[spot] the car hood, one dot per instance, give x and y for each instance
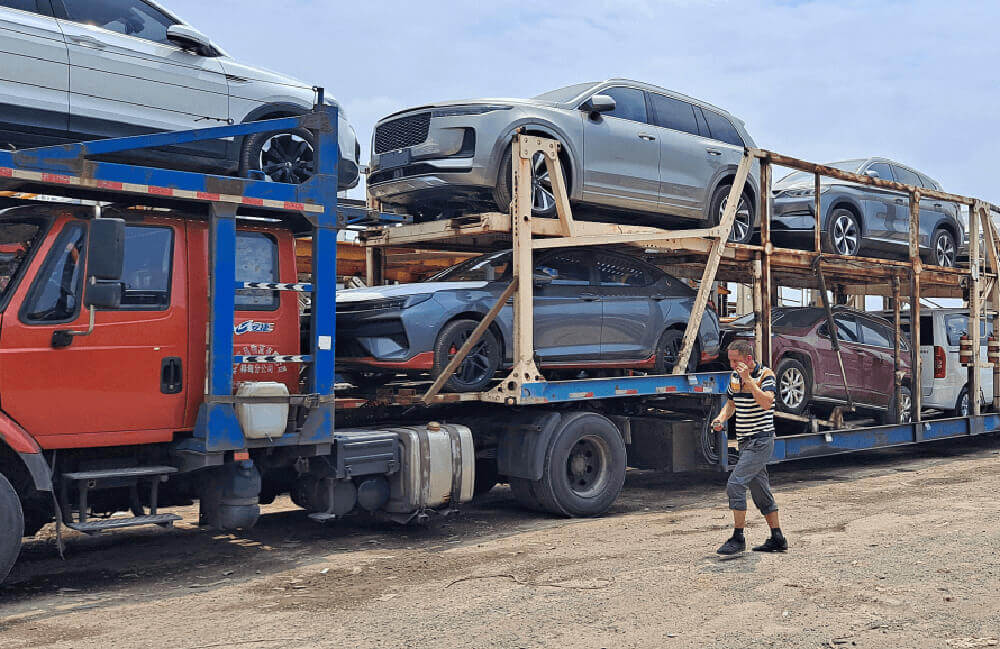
(288, 87)
(506, 101)
(403, 290)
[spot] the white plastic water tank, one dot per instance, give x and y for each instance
(262, 420)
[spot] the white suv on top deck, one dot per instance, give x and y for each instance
(74, 70)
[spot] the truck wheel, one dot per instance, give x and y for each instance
(11, 527)
(584, 468)
(487, 475)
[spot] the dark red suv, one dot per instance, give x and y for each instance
(806, 368)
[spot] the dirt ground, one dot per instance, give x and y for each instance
(892, 549)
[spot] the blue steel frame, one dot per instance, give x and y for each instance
(217, 428)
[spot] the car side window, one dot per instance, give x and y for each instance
(630, 104)
(672, 113)
(129, 17)
(23, 5)
(565, 268)
(55, 294)
(956, 325)
(875, 334)
(882, 169)
(148, 266)
(619, 271)
(256, 261)
(721, 129)
(847, 330)
(905, 176)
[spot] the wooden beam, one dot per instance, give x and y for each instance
(897, 336)
(915, 270)
(975, 307)
(553, 165)
(643, 238)
(769, 291)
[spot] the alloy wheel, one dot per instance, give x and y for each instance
(905, 405)
(964, 409)
(476, 364)
(287, 158)
(543, 196)
(792, 388)
(587, 466)
(845, 235)
(944, 251)
(742, 222)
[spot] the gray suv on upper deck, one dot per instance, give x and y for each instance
(626, 147)
(866, 220)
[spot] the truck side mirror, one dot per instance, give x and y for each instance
(106, 249)
(104, 295)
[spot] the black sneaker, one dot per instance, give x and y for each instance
(732, 546)
(773, 545)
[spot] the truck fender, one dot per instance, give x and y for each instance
(523, 443)
(20, 442)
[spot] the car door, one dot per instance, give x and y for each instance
(34, 75)
(630, 311)
(688, 161)
(880, 205)
(124, 383)
(901, 230)
(127, 78)
(829, 381)
(876, 363)
(621, 155)
(568, 310)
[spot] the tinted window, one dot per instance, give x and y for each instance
(673, 113)
(55, 294)
(928, 183)
(722, 129)
(905, 176)
(882, 169)
(23, 5)
(148, 264)
(926, 330)
(630, 104)
(486, 268)
(846, 329)
(957, 325)
(129, 17)
(620, 271)
(565, 268)
(875, 334)
(18, 241)
(796, 318)
(256, 261)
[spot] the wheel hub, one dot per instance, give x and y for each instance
(587, 465)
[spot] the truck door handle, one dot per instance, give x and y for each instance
(589, 297)
(646, 136)
(713, 152)
(171, 375)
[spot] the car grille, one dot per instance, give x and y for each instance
(401, 133)
(370, 306)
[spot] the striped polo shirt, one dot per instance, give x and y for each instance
(751, 419)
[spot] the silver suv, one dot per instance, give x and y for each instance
(627, 146)
(77, 70)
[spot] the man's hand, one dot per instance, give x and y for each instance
(716, 425)
(743, 371)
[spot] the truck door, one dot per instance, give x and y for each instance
(125, 382)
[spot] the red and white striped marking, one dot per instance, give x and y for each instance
(581, 395)
(153, 190)
(625, 393)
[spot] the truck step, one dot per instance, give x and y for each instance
(122, 472)
(92, 527)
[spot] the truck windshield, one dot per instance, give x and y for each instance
(18, 241)
(485, 268)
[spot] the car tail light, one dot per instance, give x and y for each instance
(939, 362)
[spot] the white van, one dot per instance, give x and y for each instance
(943, 379)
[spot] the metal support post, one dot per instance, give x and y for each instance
(769, 293)
(758, 309)
(897, 373)
(915, 270)
(975, 308)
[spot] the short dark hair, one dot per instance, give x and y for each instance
(743, 345)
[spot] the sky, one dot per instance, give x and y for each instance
(821, 80)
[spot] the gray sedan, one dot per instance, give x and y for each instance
(628, 148)
(594, 310)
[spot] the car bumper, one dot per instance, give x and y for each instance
(401, 339)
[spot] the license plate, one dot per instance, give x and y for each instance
(392, 159)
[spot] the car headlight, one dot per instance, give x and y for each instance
(467, 110)
(799, 193)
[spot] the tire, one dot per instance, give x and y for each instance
(963, 405)
(477, 370)
(793, 386)
(542, 204)
(668, 349)
(487, 476)
(584, 468)
(11, 527)
(843, 233)
(894, 415)
(943, 250)
(284, 156)
(742, 231)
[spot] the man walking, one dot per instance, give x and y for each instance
(751, 398)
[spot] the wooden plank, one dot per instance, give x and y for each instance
(897, 362)
(473, 338)
(975, 307)
(554, 167)
(769, 289)
(993, 258)
(818, 211)
(758, 309)
(521, 226)
(670, 239)
(708, 277)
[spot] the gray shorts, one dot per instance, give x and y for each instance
(751, 471)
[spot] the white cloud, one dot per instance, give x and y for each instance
(822, 80)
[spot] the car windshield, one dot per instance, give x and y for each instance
(18, 239)
(563, 95)
(485, 268)
(802, 176)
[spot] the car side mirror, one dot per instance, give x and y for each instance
(189, 38)
(106, 249)
(541, 279)
(871, 173)
(598, 104)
